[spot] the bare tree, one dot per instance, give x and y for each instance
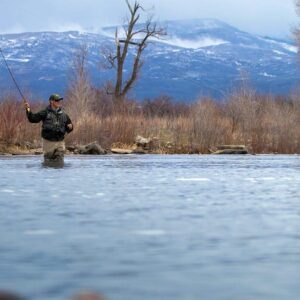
(80, 91)
(138, 37)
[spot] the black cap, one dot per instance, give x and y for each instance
(55, 97)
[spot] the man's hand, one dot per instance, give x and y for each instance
(27, 106)
(70, 126)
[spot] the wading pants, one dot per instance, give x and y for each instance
(53, 149)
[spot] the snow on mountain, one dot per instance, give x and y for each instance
(194, 44)
(197, 57)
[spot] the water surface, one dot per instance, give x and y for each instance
(152, 227)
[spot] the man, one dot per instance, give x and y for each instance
(56, 123)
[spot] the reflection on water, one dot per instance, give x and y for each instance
(151, 227)
(51, 163)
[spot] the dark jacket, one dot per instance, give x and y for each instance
(54, 123)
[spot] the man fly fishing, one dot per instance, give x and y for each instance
(56, 123)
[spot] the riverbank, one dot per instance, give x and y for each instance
(264, 125)
(141, 146)
(12, 149)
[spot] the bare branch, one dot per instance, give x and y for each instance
(129, 42)
(137, 36)
(108, 59)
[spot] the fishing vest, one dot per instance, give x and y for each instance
(55, 121)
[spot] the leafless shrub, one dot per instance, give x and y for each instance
(164, 106)
(264, 123)
(210, 127)
(14, 127)
(80, 93)
(11, 120)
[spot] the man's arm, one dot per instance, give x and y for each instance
(37, 117)
(69, 125)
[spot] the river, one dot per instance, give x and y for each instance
(163, 227)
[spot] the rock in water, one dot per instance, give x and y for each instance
(148, 144)
(93, 148)
(231, 149)
(121, 151)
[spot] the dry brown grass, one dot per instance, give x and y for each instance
(263, 123)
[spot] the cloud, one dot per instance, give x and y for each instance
(12, 29)
(66, 27)
(195, 44)
(267, 17)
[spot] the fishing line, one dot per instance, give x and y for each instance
(12, 76)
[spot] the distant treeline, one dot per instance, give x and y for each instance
(264, 123)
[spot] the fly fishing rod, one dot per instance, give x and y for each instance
(13, 78)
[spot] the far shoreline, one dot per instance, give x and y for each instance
(12, 150)
(110, 153)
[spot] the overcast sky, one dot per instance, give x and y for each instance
(264, 17)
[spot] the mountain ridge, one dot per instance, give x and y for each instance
(198, 57)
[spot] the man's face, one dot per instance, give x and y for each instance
(56, 104)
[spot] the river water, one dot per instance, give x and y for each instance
(151, 227)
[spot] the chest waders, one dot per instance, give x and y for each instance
(54, 150)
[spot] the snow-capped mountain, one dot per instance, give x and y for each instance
(197, 57)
